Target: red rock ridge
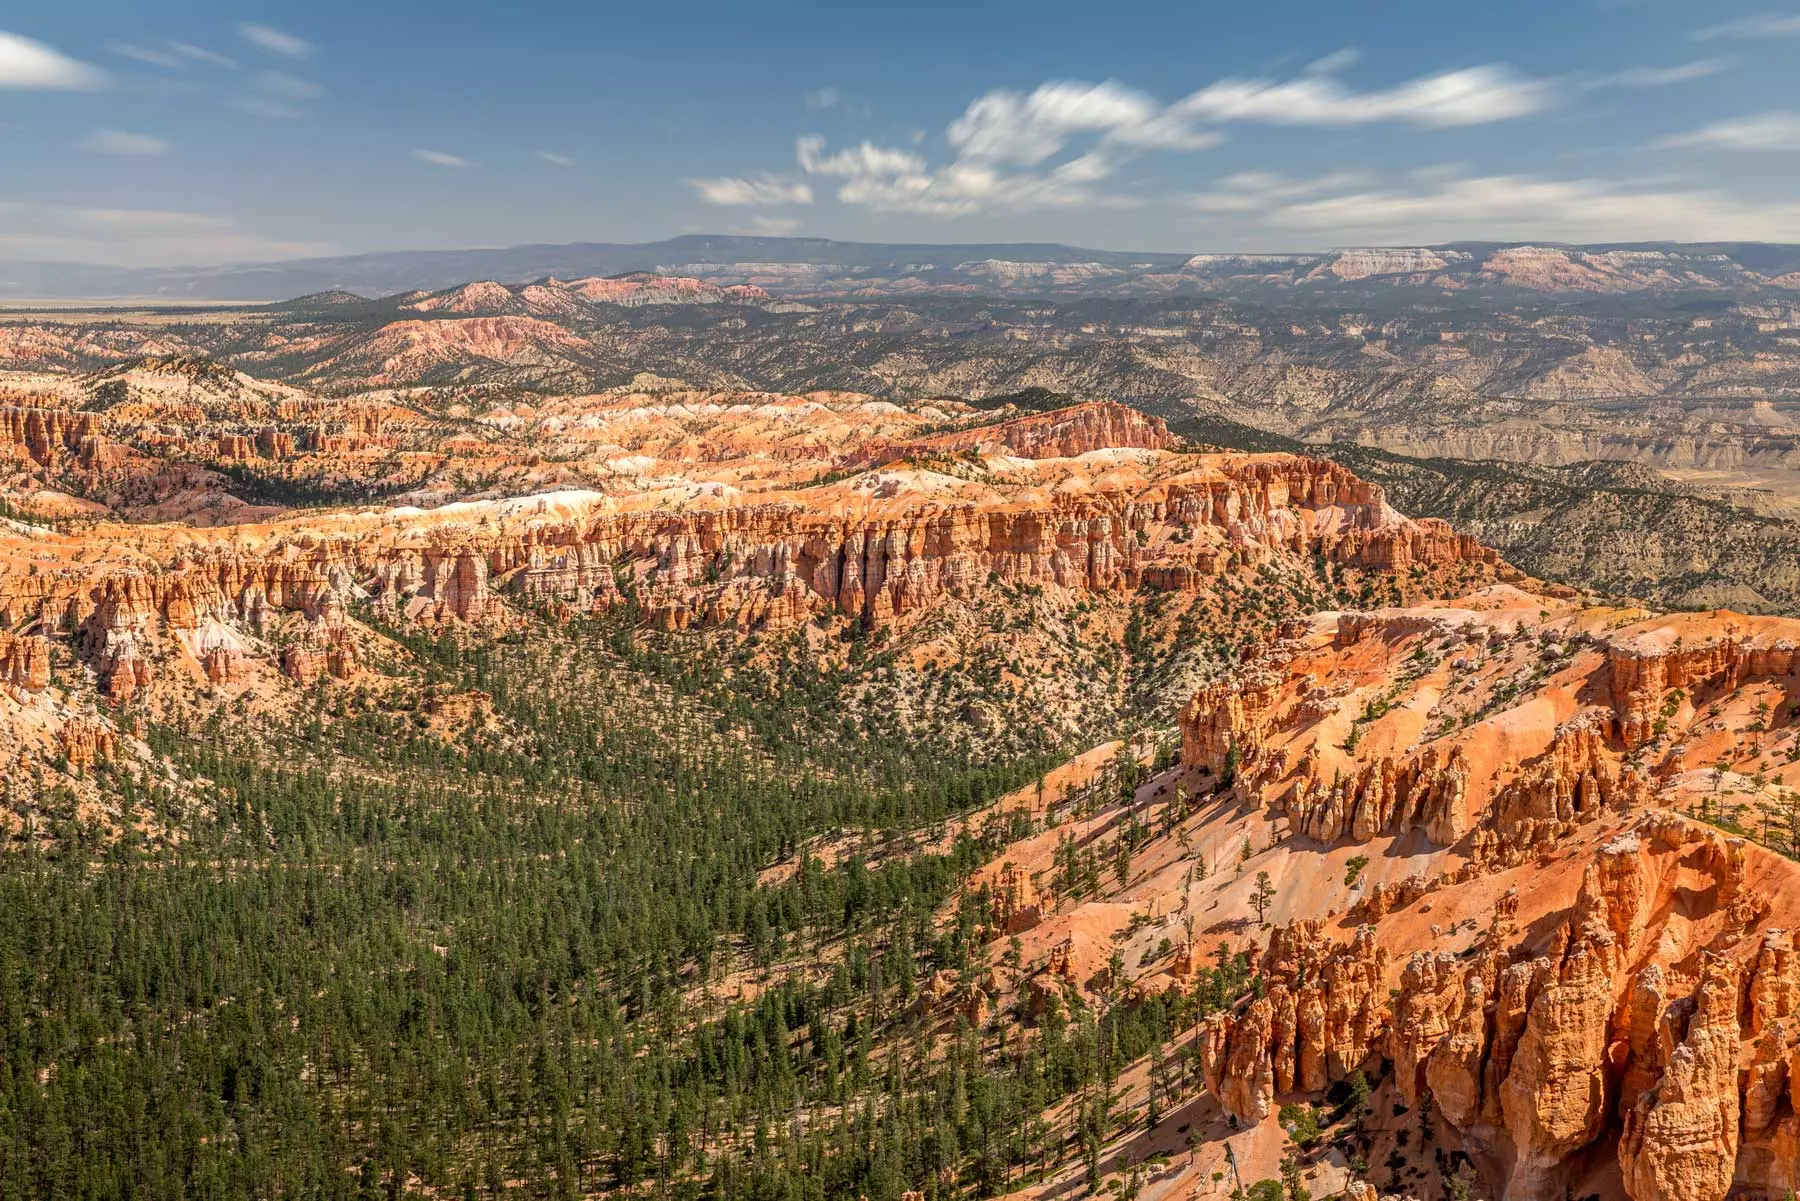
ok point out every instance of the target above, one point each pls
(1062, 434)
(763, 564)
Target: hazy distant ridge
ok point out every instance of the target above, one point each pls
(819, 267)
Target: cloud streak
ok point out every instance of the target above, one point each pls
(170, 55)
(124, 145)
(1511, 207)
(1054, 146)
(1640, 78)
(1775, 131)
(764, 189)
(1474, 96)
(1763, 25)
(28, 64)
(276, 41)
(439, 158)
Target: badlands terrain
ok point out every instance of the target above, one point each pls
(1634, 401)
(663, 736)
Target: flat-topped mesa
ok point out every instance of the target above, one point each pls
(1060, 434)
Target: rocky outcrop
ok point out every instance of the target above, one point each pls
(1322, 1014)
(1534, 1053)
(1553, 1098)
(643, 288)
(1366, 263)
(47, 438)
(1062, 434)
(1644, 671)
(753, 565)
(1388, 794)
(1576, 778)
(1274, 727)
(1681, 1137)
(330, 653)
(83, 742)
(1017, 907)
(25, 661)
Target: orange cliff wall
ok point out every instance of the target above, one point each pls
(766, 564)
(45, 437)
(1061, 434)
(881, 562)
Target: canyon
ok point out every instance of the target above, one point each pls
(1151, 763)
(1657, 425)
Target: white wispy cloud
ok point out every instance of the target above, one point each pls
(890, 180)
(1775, 131)
(169, 54)
(1337, 60)
(137, 237)
(276, 41)
(1661, 77)
(123, 144)
(865, 159)
(1529, 208)
(1054, 147)
(553, 158)
(822, 98)
(156, 56)
(28, 64)
(1025, 129)
(439, 158)
(1762, 25)
(277, 94)
(758, 190)
(202, 55)
(1473, 96)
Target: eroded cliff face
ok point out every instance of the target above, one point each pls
(1062, 434)
(1633, 1034)
(1652, 1024)
(1322, 1015)
(1474, 727)
(25, 661)
(1632, 1017)
(44, 437)
(767, 564)
(1644, 670)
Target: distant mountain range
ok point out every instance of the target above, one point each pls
(819, 268)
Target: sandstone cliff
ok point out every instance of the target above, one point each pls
(767, 563)
(1629, 999)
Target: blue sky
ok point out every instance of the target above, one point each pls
(210, 131)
